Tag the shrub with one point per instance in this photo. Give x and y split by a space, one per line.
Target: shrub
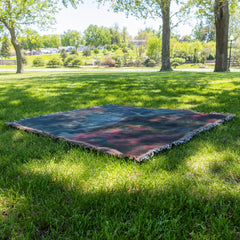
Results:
178 60
109 61
97 62
38 62
126 59
74 51
63 54
175 64
118 52
68 60
76 62
54 62
96 50
115 46
138 62
131 46
125 50
203 59
119 60
109 48
86 52
150 62
105 52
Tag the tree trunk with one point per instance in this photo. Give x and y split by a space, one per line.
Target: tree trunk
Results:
165 8
17 48
221 12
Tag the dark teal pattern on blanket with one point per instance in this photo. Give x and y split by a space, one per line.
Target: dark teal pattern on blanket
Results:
125 130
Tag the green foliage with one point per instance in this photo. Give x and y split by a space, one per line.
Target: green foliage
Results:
54 62
71 38
119 60
86 52
54 190
154 48
150 62
31 40
96 50
5 49
115 35
97 62
175 64
38 62
105 51
126 59
125 50
192 50
97 36
118 52
138 62
145 35
205 33
17 14
195 57
115 47
74 51
51 41
77 62
178 60
109 47
68 60
234 25
73 61
63 54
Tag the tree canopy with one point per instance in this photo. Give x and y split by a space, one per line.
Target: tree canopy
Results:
17 15
97 36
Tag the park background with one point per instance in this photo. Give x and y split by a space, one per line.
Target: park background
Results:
94 36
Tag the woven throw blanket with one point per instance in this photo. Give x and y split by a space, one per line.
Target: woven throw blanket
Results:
123 130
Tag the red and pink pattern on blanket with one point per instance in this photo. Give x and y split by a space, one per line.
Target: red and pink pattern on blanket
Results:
124 130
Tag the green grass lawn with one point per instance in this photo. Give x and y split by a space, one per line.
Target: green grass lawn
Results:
53 190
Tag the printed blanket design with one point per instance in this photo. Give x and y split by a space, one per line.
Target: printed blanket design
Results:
123 130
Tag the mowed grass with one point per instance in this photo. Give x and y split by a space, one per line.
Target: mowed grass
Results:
53 190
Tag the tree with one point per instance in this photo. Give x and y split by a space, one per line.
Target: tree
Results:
5 50
124 35
154 48
51 41
234 25
97 36
115 35
205 32
15 15
72 38
221 10
144 9
31 41
144 35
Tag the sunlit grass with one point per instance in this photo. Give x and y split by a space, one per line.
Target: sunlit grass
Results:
53 190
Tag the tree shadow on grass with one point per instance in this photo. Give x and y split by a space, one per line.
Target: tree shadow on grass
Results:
39 95
106 197
43 205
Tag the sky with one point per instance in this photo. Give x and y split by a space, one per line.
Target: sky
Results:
88 13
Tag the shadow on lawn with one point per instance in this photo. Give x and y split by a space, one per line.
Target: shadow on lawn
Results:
38 95
49 207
